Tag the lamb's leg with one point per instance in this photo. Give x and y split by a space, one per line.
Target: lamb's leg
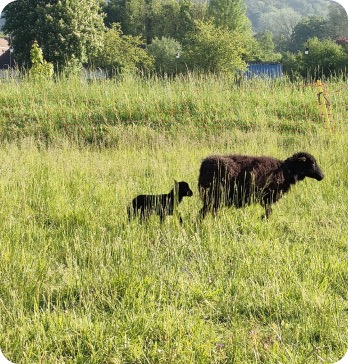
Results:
180 219
129 213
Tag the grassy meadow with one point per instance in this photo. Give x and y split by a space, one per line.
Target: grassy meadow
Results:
81 284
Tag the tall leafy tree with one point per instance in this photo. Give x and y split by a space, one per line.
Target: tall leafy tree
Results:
257 9
68 31
122 53
229 13
308 27
337 24
281 23
115 12
164 18
152 19
264 50
214 49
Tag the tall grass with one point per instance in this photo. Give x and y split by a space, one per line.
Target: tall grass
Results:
81 284
90 111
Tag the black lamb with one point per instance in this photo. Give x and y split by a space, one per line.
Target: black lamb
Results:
161 205
240 180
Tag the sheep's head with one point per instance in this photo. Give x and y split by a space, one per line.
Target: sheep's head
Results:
304 165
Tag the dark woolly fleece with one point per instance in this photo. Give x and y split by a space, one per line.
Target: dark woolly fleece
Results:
161 205
240 180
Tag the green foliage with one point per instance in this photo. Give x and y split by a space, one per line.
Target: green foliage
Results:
230 14
294 65
122 53
154 18
308 27
131 14
337 21
264 50
257 9
69 31
163 17
214 49
325 58
40 69
166 53
281 23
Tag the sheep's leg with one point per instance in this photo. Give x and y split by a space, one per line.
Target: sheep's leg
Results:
268 210
202 213
216 203
215 209
204 210
162 216
143 215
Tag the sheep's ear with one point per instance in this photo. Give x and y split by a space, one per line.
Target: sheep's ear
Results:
302 159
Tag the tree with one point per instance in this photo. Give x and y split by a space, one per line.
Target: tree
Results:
122 53
40 69
325 58
69 31
188 13
230 14
163 17
258 10
264 50
153 18
115 12
308 27
166 53
214 49
337 21
281 23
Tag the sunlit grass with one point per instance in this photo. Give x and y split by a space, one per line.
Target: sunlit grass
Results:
90 111
81 284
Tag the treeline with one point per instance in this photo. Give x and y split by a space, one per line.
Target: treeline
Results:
261 12
170 37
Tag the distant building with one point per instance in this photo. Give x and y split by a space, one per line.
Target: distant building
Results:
264 70
5 56
4 45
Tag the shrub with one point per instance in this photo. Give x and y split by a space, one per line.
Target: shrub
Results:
214 49
40 68
166 53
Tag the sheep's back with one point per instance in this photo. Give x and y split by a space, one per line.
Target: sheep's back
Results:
237 168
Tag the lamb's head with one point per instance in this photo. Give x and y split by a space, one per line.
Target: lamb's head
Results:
183 189
304 165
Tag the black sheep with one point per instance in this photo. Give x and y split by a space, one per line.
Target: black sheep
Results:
240 180
161 205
